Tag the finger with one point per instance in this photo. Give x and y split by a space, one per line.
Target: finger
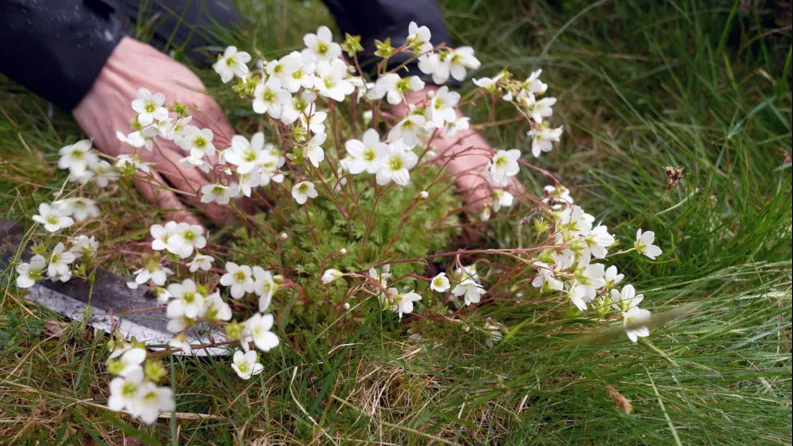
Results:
150 186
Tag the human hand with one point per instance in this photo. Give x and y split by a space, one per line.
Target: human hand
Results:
106 108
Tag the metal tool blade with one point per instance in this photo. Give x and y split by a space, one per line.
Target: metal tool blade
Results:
105 304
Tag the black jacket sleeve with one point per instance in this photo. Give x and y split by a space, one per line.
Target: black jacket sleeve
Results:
57 48
383 19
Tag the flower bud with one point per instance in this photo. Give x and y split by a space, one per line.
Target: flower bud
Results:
343 251
234 330
424 194
154 370
331 275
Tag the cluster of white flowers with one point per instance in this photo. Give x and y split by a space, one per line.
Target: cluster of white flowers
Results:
84 164
288 90
134 388
527 98
58 263
570 267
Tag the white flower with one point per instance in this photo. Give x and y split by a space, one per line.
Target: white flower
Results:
60 259
246 155
504 165
313 150
120 349
239 278
257 329
394 87
533 83
149 107
84 246
161 234
440 283
124 391
644 244
320 46
132 160
576 221
163 129
580 295
179 342
461 59
302 77
270 98
136 139
152 271
215 309
396 166
264 286
331 275
80 208
433 65
452 61
467 272
457 125
178 320
198 142
418 38
471 290
494 334
283 68
543 138
150 401
590 274
246 364
442 106
163 296
200 261
52 218
185 238
296 106
633 317
538 110
30 272
501 198
77 157
331 80
626 299
598 240
248 181
366 155
488 83
130 361
304 190
314 120
611 277
104 173
546 277
232 63
404 302
187 301
219 193
410 130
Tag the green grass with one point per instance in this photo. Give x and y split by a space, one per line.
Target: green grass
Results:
642 85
